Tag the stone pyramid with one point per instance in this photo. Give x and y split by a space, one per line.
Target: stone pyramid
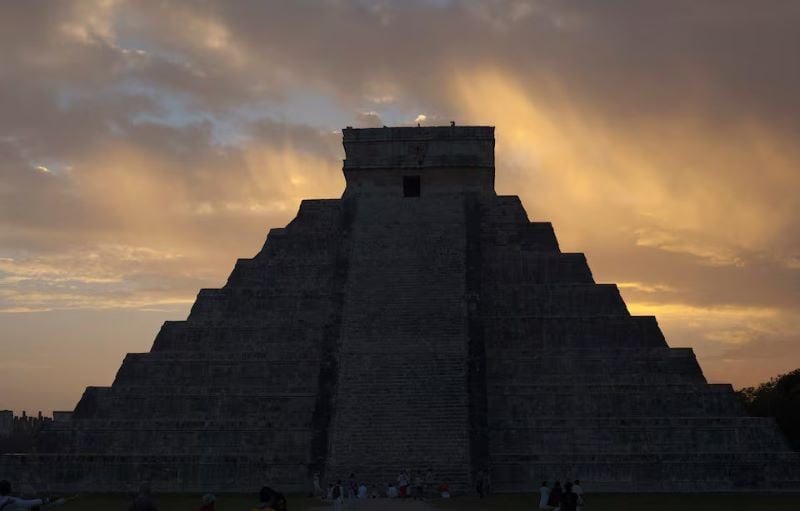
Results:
420 321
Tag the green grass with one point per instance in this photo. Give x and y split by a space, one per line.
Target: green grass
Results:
636 502
181 502
515 502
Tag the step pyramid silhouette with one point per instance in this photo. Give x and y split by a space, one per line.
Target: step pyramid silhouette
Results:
420 322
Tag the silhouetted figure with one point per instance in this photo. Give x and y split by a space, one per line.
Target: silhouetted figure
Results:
555 495
418 486
569 500
480 484
402 484
270 499
208 502
337 495
9 503
544 495
352 487
317 487
144 501
279 502
576 488
391 490
430 483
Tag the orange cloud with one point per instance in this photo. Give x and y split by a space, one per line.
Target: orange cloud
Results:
145 146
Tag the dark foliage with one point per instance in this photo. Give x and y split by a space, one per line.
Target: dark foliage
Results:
778 398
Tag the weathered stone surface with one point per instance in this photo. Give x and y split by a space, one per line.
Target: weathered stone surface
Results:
380 332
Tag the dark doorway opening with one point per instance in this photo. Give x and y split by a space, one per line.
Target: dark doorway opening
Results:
411 186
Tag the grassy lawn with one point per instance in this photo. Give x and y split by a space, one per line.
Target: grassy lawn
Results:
636 502
182 502
516 502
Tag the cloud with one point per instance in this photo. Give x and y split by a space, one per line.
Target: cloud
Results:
744 344
647 288
145 146
370 119
674 242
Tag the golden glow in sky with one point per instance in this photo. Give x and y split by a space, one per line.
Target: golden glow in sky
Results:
145 146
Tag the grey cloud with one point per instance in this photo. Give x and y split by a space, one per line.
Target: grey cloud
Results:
621 60
758 281
626 58
132 96
369 120
630 58
325 144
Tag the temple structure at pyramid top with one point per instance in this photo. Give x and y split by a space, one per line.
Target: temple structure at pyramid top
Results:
419 323
466 147
454 159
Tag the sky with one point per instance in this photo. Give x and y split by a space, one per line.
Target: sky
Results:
144 146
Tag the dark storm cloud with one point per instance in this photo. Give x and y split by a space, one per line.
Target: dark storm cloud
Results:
628 57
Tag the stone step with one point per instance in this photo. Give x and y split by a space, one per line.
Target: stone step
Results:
504 222
70 473
597 352
511 266
598 400
167 423
311 274
578 300
528 334
504 210
631 366
538 236
273 375
289 332
274 443
709 456
701 472
281 352
260 304
189 403
591 436
559 422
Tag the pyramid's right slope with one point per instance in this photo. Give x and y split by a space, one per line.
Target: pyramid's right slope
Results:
579 387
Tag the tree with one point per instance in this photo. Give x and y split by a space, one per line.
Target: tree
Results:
778 398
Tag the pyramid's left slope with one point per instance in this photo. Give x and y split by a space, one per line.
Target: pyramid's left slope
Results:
236 395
